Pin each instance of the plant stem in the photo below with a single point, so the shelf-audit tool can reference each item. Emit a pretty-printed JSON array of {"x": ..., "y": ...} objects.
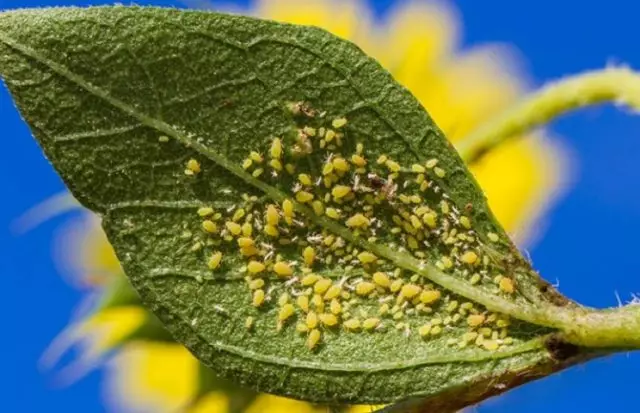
[
  {"x": 613, "y": 328},
  {"x": 618, "y": 85}
]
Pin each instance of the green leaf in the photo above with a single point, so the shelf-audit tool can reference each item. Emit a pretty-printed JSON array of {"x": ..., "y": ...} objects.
[{"x": 151, "y": 115}]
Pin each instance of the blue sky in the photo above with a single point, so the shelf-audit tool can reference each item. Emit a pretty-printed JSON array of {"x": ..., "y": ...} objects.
[{"x": 590, "y": 244}]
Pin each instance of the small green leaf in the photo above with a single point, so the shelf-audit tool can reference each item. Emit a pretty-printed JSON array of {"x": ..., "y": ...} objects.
[{"x": 168, "y": 124}]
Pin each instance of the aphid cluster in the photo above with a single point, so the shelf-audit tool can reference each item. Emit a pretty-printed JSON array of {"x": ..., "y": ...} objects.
[{"x": 317, "y": 280}]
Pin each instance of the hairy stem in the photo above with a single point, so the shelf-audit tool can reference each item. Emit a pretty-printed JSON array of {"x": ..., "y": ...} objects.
[
  {"x": 618, "y": 85},
  {"x": 615, "y": 328}
]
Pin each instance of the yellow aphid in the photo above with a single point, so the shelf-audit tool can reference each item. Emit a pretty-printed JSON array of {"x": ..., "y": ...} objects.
[
  {"x": 272, "y": 216},
  {"x": 238, "y": 215},
  {"x": 248, "y": 323},
  {"x": 490, "y": 345},
  {"x": 431, "y": 163},
  {"x": 332, "y": 213},
  {"x": 309, "y": 255},
  {"x": 163, "y": 139},
  {"x": 417, "y": 168},
  {"x": 410, "y": 290},
  {"x": 209, "y": 226},
  {"x": 249, "y": 251},
  {"x": 313, "y": 339},
  {"x": 255, "y": 267},
  {"x": 335, "y": 307},
  {"x": 285, "y": 312},
  {"x": 469, "y": 257},
  {"x": 256, "y": 173},
  {"x": 430, "y": 296},
  {"x": 340, "y": 164},
  {"x": 430, "y": 219},
  {"x": 381, "y": 279},
  {"x": 310, "y": 279},
  {"x": 287, "y": 208},
  {"x": 244, "y": 242},
  {"x": 393, "y": 166},
  {"x": 304, "y": 196},
  {"x": 312, "y": 320},
  {"x": 506, "y": 285},
  {"x": 309, "y": 131},
  {"x": 474, "y": 320},
  {"x": 247, "y": 229},
  {"x": 303, "y": 302},
  {"x": 435, "y": 330},
  {"x": 381, "y": 159},
  {"x": 246, "y": 164},
  {"x": 276, "y": 148},
  {"x": 318, "y": 302},
  {"x": 193, "y": 166},
  {"x": 396, "y": 285},
  {"x": 339, "y": 122},
  {"x": 214, "y": 260},
  {"x": 370, "y": 323},
  {"x": 493, "y": 237},
  {"x": 352, "y": 324},
  {"x": 424, "y": 330},
  {"x": 366, "y": 257},
  {"x": 301, "y": 328},
  {"x": 358, "y": 160},
  {"x": 333, "y": 292},
  {"x": 205, "y": 211},
  {"x": 256, "y": 157},
  {"x": 465, "y": 222},
  {"x": 233, "y": 228},
  {"x": 475, "y": 279},
  {"x": 276, "y": 164},
  {"x": 327, "y": 168},
  {"x": 446, "y": 262},
  {"x": 322, "y": 286},
  {"x": 257, "y": 283},
  {"x": 364, "y": 288},
  {"x": 282, "y": 269},
  {"x": 440, "y": 173},
  {"x": 328, "y": 137},
  {"x": 305, "y": 179},
  {"x": 340, "y": 191},
  {"x": 258, "y": 298},
  {"x": 412, "y": 243},
  {"x": 415, "y": 222},
  {"x": 318, "y": 207},
  {"x": 271, "y": 230},
  {"x": 328, "y": 320},
  {"x": 358, "y": 220},
  {"x": 291, "y": 169}
]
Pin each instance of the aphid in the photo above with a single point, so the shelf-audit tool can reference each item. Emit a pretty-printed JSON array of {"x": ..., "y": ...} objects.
[
  {"x": 409, "y": 291},
  {"x": 351, "y": 324},
  {"x": 309, "y": 280},
  {"x": 396, "y": 285},
  {"x": 381, "y": 279},
  {"x": 215, "y": 260},
  {"x": 333, "y": 292},
  {"x": 303, "y": 302},
  {"x": 309, "y": 255},
  {"x": 364, "y": 288},
  {"x": 286, "y": 311},
  {"x": 193, "y": 167},
  {"x": 370, "y": 323},
  {"x": 255, "y": 284},
  {"x": 430, "y": 296},
  {"x": 256, "y": 157},
  {"x": 255, "y": 267},
  {"x": 304, "y": 196},
  {"x": 357, "y": 221},
  {"x": 258, "y": 298},
  {"x": 465, "y": 222},
  {"x": 440, "y": 173},
  {"x": 245, "y": 242},
  {"x": 163, "y": 139},
  {"x": 335, "y": 307},
  {"x": 313, "y": 339},
  {"x": 431, "y": 163},
  {"x": 338, "y": 122},
  {"x": 248, "y": 323},
  {"x": 506, "y": 285},
  {"x": 322, "y": 286},
  {"x": 205, "y": 211},
  {"x": 358, "y": 160},
  {"x": 287, "y": 208},
  {"x": 282, "y": 269},
  {"x": 474, "y": 320},
  {"x": 469, "y": 257},
  {"x": 209, "y": 226},
  {"x": 366, "y": 257},
  {"x": 340, "y": 191},
  {"x": 424, "y": 330},
  {"x": 493, "y": 237},
  {"x": 318, "y": 207},
  {"x": 332, "y": 213},
  {"x": 311, "y": 320},
  {"x": 328, "y": 320}
]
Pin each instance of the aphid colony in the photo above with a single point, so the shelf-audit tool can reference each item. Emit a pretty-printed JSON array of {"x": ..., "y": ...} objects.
[{"x": 320, "y": 282}]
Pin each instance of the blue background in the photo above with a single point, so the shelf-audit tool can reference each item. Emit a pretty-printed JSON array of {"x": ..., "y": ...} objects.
[{"x": 591, "y": 244}]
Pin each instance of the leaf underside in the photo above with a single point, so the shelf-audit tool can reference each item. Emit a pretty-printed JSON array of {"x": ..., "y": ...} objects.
[{"x": 150, "y": 116}]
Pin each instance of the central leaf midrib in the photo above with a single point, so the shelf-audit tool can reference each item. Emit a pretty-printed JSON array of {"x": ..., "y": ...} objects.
[{"x": 403, "y": 260}]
